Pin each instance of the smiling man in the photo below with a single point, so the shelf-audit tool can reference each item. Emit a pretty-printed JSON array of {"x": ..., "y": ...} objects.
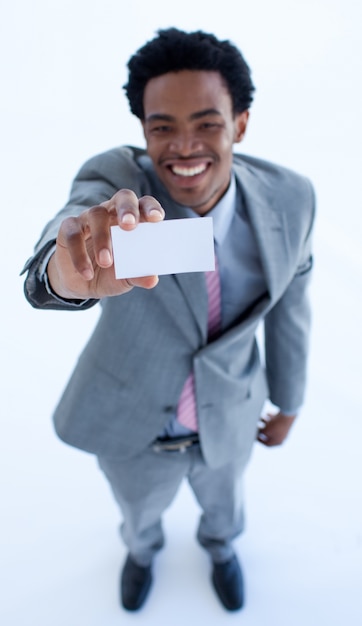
[{"x": 171, "y": 385}]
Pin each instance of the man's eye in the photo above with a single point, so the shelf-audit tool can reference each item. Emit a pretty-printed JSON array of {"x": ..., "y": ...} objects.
[
  {"x": 209, "y": 125},
  {"x": 161, "y": 129}
]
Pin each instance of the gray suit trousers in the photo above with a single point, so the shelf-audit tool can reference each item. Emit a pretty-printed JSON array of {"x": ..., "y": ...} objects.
[{"x": 146, "y": 485}]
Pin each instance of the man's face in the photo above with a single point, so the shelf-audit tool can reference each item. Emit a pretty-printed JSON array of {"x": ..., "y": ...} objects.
[{"x": 190, "y": 129}]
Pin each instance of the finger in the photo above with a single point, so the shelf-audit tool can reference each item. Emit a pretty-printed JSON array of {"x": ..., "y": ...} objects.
[
  {"x": 72, "y": 239},
  {"x": 150, "y": 209},
  {"x": 126, "y": 205},
  {"x": 262, "y": 423},
  {"x": 146, "y": 282},
  {"x": 99, "y": 220},
  {"x": 266, "y": 441},
  {"x": 263, "y": 437}
]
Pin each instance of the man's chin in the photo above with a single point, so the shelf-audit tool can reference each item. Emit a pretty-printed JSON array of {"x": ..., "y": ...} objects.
[{"x": 196, "y": 204}]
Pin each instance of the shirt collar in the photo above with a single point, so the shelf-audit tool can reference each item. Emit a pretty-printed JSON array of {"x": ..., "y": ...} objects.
[{"x": 222, "y": 213}]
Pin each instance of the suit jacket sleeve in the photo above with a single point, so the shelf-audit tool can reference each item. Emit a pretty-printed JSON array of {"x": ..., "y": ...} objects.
[{"x": 287, "y": 330}]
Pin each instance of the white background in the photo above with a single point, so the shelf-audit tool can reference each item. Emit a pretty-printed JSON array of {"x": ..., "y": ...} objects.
[{"x": 63, "y": 64}]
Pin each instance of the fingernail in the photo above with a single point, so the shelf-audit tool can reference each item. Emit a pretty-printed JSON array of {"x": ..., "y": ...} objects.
[
  {"x": 87, "y": 274},
  {"x": 128, "y": 218},
  {"x": 105, "y": 257},
  {"x": 155, "y": 213}
]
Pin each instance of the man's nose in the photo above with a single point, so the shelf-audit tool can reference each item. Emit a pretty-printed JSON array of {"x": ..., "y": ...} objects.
[{"x": 185, "y": 143}]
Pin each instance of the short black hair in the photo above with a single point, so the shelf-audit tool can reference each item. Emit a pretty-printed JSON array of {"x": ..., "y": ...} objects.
[{"x": 173, "y": 50}]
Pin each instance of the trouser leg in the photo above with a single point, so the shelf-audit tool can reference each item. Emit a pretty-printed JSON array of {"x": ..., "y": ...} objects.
[
  {"x": 144, "y": 487},
  {"x": 220, "y": 494}
]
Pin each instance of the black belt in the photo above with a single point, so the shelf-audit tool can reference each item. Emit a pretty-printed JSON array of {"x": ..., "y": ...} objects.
[{"x": 175, "y": 444}]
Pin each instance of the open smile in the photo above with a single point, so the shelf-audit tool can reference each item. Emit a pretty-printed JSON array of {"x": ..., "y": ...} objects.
[{"x": 188, "y": 172}]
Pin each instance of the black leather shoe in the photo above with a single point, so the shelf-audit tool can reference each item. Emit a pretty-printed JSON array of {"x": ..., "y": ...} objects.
[
  {"x": 227, "y": 579},
  {"x": 135, "y": 584}
]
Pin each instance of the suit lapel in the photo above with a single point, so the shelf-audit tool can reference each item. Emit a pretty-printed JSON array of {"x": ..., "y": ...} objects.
[
  {"x": 269, "y": 227},
  {"x": 193, "y": 288}
]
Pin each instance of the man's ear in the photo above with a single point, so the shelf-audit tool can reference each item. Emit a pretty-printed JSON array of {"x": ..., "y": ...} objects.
[{"x": 241, "y": 122}]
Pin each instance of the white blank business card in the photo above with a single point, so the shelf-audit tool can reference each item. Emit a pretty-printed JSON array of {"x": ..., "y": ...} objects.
[{"x": 167, "y": 247}]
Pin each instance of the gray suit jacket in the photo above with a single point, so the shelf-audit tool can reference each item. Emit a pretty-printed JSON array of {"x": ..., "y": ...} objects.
[{"x": 129, "y": 377}]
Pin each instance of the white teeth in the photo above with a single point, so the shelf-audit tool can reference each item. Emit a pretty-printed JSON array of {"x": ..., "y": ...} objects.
[{"x": 188, "y": 171}]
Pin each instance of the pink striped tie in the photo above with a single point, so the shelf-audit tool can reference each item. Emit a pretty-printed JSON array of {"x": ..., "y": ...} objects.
[{"x": 186, "y": 410}]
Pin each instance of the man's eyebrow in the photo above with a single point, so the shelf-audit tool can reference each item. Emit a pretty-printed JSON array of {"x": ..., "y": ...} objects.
[
  {"x": 204, "y": 113},
  {"x": 164, "y": 117}
]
